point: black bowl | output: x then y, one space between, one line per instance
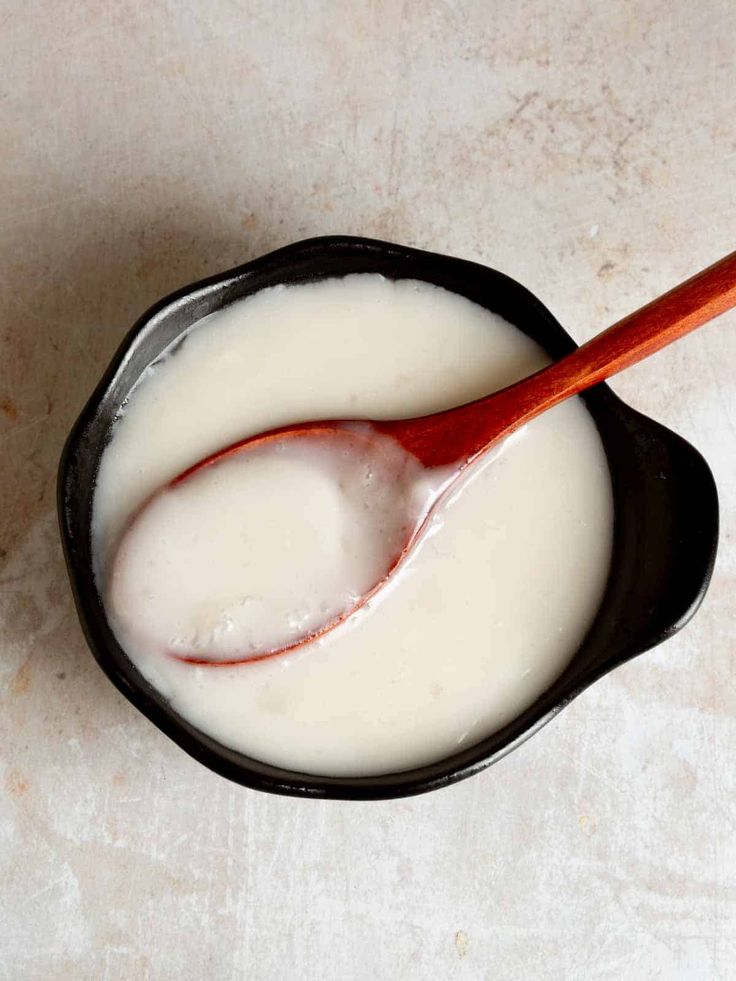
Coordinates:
666 510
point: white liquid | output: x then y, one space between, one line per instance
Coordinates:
262 548
488 610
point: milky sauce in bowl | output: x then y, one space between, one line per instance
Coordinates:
480 620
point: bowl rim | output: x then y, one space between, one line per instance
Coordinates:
217 757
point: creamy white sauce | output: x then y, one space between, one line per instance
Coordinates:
266 546
484 615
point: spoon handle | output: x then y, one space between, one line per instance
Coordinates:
461 433
647 330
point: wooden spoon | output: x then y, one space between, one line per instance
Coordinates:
458 436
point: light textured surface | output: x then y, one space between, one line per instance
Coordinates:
588 149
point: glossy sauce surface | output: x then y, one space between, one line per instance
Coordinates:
485 614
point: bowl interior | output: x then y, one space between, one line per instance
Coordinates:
665 524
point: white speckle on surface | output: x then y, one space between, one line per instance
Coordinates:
147 145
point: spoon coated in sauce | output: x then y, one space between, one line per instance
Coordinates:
370 489
249 554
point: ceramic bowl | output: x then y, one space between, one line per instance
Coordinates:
666 510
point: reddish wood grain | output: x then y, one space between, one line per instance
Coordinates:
460 434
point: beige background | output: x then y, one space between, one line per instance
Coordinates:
587 148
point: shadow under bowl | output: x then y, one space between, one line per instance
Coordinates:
665 510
